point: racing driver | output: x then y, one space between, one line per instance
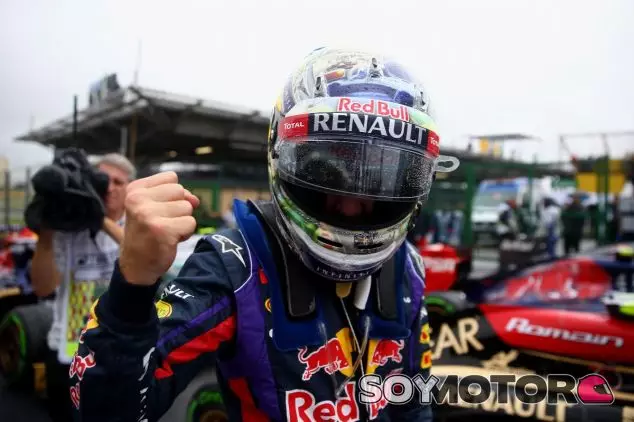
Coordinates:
313 290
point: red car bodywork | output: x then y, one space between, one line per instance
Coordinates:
444 265
556 308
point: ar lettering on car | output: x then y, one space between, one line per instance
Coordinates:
460 341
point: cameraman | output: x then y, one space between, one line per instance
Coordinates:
78 268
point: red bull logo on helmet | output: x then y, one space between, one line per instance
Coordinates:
335 355
378 107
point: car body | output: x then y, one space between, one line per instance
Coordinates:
549 318
16 250
446 266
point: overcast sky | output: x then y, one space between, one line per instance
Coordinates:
538 67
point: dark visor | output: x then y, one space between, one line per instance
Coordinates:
371 168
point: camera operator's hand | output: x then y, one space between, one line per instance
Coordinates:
158 217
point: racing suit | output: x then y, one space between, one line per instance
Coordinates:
228 309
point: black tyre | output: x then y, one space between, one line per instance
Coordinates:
201 401
206 405
447 306
23 333
12 297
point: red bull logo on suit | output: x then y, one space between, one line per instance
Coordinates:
387 350
335 355
382 351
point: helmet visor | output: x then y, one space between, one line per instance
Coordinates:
361 168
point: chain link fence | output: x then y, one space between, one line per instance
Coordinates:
16 192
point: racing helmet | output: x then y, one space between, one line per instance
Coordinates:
352 152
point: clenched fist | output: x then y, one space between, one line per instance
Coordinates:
158 217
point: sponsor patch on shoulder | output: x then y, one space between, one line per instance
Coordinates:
163 309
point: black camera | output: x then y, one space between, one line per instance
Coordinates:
69 195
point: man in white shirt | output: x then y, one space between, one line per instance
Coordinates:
78 268
550 222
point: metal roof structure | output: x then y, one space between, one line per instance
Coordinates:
478 167
156 126
504 137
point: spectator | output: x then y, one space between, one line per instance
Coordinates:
454 226
78 268
612 231
508 226
573 219
550 221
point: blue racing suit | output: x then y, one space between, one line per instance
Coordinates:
228 310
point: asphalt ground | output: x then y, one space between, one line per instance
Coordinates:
19 407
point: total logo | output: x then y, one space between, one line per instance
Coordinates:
293 125
336 355
378 107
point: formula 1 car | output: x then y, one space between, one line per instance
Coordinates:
24 319
16 249
573 316
446 266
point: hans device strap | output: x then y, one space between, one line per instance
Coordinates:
386 291
297 281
